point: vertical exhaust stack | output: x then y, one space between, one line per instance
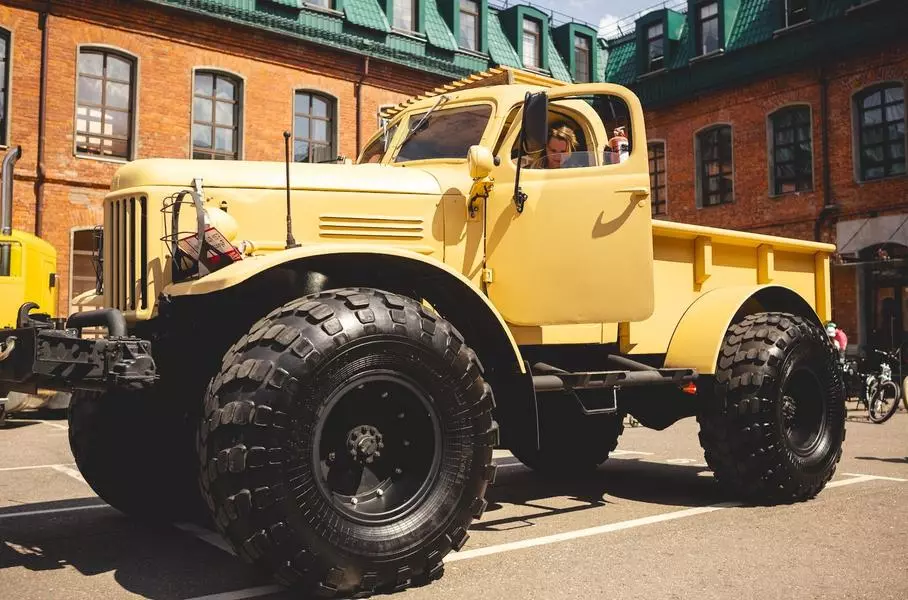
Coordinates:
6 194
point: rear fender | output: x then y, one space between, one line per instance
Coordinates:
698 338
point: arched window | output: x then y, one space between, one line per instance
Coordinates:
314 127
216 112
792 153
105 104
880 140
715 173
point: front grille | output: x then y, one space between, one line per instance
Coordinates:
127 223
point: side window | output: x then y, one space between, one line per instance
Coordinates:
583 131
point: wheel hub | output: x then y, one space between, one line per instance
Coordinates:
364 443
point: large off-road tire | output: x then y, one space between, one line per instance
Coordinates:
774 425
347 443
570 443
135 453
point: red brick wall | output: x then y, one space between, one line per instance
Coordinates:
747 109
168 44
792 215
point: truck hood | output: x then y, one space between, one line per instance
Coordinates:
272 175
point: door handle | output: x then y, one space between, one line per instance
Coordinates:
634 191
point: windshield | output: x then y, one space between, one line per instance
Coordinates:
375 150
446 133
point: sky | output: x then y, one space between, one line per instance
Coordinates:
603 13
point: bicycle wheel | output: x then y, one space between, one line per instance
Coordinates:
884 402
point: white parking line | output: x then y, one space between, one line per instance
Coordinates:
880 477
254 592
610 527
56 425
212 537
36 467
32 513
69 471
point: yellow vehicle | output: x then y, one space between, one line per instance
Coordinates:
28 264
345 344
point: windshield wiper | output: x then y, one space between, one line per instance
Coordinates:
441 100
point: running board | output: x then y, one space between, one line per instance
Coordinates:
566 381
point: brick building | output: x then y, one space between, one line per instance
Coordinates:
784 117
87 86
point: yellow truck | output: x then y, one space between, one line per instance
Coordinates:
28 277
327 354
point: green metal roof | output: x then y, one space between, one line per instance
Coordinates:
437 30
756 44
557 67
366 13
500 48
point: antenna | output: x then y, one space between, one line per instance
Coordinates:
291 243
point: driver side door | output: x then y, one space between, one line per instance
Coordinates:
581 250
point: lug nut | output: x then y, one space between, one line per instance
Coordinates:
331 457
379 492
398 471
354 501
400 416
406 443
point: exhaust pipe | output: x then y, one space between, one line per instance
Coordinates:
6 193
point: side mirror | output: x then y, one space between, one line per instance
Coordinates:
481 162
535 124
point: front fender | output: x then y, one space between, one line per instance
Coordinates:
698 337
249 267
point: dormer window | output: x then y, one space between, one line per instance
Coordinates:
405 17
469 24
655 46
532 44
708 27
582 59
321 3
796 11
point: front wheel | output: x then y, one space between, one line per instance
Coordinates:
775 422
347 443
884 402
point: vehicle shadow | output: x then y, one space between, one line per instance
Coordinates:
626 479
154 561
896 460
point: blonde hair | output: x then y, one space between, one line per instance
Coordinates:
566 134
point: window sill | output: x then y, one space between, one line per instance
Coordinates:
792 28
886 178
649 74
795 194
322 9
708 56
473 53
413 35
704 206
851 9
107 159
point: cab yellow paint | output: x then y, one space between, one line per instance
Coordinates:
582 263
28 267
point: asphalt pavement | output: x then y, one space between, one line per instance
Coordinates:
650 523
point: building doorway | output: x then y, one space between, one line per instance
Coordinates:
886 296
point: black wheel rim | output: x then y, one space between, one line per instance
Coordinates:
803 414
377 447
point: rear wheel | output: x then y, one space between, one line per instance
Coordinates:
135 453
570 442
774 427
884 402
347 443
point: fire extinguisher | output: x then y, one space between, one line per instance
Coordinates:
619 145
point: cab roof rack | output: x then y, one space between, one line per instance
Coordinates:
494 76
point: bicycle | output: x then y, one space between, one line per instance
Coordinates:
876 389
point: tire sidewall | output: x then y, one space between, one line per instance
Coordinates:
448 396
811 354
